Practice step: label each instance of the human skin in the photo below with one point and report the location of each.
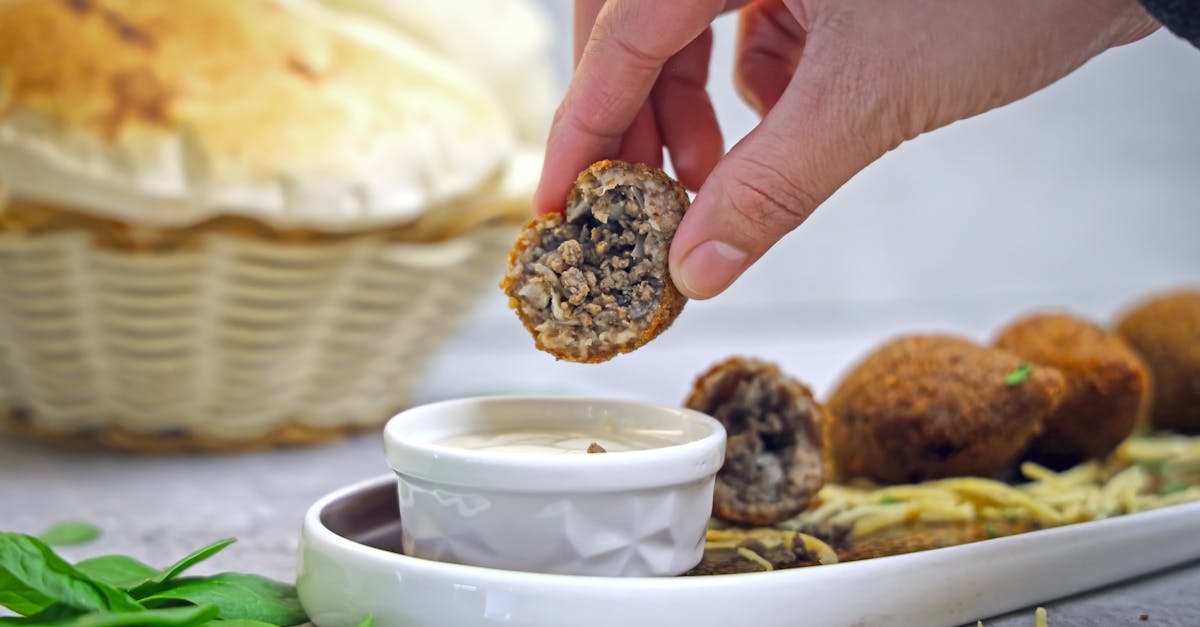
(838, 83)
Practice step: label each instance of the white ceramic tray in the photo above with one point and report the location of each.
(346, 571)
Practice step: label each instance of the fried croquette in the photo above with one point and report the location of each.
(930, 406)
(1165, 331)
(1107, 393)
(773, 463)
(593, 282)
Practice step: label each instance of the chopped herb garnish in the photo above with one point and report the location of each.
(1167, 489)
(1019, 375)
(888, 500)
(1152, 467)
(991, 532)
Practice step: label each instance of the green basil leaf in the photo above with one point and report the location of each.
(54, 614)
(194, 558)
(238, 622)
(69, 533)
(237, 595)
(170, 617)
(118, 571)
(18, 597)
(33, 576)
(155, 583)
(368, 621)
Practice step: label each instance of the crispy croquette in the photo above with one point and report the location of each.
(930, 406)
(593, 282)
(1107, 393)
(773, 462)
(1165, 331)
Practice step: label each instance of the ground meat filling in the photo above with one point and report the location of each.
(591, 280)
(773, 466)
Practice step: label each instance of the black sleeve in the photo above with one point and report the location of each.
(1182, 17)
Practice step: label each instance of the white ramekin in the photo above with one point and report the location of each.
(635, 513)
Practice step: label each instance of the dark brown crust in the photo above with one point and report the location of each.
(1165, 331)
(1108, 388)
(803, 463)
(730, 561)
(671, 301)
(930, 406)
(922, 536)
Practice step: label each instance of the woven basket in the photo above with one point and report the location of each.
(230, 343)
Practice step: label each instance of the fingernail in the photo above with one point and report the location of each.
(710, 268)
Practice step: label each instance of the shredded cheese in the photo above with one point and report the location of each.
(770, 538)
(1121, 484)
(755, 557)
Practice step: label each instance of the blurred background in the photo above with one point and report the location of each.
(1083, 196)
(1090, 186)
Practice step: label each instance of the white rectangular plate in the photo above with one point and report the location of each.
(342, 580)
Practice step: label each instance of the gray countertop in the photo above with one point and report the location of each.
(159, 508)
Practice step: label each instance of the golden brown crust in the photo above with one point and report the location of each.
(929, 406)
(740, 495)
(114, 66)
(269, 108)
(591, 176)
(671, 301)
(1108, 389)
(1165, 330)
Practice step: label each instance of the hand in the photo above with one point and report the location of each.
(838, 83)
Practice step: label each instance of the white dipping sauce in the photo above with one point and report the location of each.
(564, 441)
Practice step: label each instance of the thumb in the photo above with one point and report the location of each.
(819, 134)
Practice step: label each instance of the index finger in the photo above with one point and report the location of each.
(586, 12)
(628, 46)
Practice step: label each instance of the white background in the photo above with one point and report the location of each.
(1091, 186)
(1084, 196)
